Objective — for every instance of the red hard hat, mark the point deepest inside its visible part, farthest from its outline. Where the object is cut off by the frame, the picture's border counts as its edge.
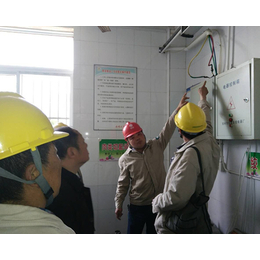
(130, 129)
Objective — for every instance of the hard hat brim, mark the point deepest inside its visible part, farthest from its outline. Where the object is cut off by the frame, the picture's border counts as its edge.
(31, 146)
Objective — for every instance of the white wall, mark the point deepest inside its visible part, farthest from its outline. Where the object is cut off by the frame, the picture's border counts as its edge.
(121, 47)
(139, 48)
(177, 72)
(225, 193)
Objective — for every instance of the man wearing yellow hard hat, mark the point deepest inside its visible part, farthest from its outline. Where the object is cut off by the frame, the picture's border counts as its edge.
(30, 170)
(142, 172)
(184, 177)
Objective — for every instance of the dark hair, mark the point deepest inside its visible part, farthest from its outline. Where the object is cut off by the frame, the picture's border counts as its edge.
(189, 136)
(11, 190)
(63, 144)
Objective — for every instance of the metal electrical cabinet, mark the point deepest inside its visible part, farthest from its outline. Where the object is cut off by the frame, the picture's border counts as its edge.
(237, 102)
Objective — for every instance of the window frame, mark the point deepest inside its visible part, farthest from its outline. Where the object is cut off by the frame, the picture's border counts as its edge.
(18, 71)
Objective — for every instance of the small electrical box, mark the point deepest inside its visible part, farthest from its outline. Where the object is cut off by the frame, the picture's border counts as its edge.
(237, 102)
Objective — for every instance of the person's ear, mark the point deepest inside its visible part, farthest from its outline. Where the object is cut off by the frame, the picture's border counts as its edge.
(71, 152)
(31, 172)
(128, 142)
(179, 130)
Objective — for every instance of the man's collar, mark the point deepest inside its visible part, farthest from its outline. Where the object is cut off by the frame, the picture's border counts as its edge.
(132, 149)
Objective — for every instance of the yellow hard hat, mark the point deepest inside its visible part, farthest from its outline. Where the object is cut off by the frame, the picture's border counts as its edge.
(11, 94)
(60, 124)
(23, 126)
(191, 119)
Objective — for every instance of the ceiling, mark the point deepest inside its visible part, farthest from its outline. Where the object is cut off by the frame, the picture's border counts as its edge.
(152, 28)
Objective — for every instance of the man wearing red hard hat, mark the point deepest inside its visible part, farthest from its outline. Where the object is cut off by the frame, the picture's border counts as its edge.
(142, 170)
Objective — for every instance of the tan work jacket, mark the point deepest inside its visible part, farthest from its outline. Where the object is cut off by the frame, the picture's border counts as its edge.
(183, 177)
(144, 172)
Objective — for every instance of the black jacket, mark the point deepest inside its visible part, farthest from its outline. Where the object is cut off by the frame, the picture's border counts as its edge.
(73, 205)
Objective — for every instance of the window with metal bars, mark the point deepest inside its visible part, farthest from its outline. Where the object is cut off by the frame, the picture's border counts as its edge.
(39, 68)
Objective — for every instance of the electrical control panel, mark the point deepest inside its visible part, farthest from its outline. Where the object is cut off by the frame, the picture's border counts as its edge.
(237, 104)
(192, 93)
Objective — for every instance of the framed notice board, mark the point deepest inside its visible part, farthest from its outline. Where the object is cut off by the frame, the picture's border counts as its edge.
(114, 96)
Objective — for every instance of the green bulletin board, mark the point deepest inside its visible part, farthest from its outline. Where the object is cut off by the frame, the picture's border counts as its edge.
(111, 149)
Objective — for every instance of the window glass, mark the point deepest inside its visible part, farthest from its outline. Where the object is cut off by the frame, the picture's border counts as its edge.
(30, 50)
(8, 82)
(49, 93)
(39, 67)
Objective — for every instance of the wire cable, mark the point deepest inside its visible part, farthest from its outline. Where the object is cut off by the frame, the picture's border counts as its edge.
(235, 214)
(194, 58)
(213, 53)
(213, 57)
(219, 69)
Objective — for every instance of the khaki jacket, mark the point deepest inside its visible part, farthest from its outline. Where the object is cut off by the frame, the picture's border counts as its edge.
(144, 173)
(183, 177)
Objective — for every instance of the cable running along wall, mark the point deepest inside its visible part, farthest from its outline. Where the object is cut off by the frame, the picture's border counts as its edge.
(213, 67)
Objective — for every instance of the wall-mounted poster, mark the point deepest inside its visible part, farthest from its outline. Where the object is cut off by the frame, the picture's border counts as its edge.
(115, 97)
(111, 149)
(252, 168)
